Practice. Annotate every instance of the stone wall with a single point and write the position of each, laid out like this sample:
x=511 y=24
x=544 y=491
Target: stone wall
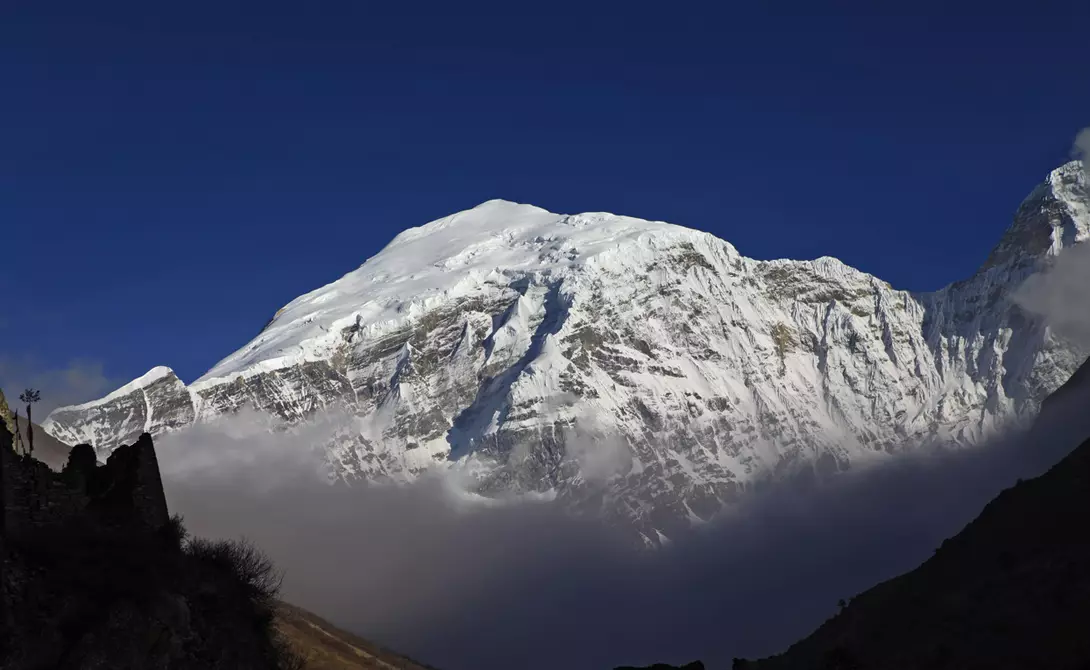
x=94 y=575
x=33 y=495
x=127 y=489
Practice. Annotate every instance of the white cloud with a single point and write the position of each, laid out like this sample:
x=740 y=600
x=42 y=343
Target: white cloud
x=528 y=586
x=1081 y=148
x=1062 y=295
x=600 y=453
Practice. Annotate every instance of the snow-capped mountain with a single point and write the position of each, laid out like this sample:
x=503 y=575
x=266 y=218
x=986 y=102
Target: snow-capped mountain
x=639 y=367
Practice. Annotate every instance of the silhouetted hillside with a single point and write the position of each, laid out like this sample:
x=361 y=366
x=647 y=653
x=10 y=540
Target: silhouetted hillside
x=1011 y=590
x=95 y=574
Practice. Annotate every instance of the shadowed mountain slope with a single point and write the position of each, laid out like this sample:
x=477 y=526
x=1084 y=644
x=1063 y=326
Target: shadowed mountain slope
x=1011 y=590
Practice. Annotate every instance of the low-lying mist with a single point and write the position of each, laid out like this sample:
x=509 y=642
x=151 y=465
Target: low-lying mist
x=466 y=586
x=462 y=585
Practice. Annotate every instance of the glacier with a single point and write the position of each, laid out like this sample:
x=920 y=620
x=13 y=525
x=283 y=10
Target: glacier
x=636 y=369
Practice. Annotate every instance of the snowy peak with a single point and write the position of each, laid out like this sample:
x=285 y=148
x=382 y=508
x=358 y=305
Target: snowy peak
x=634 y=367
x=156 y=401
x=479 y=220
x=447 y=260
x=150 y=377
x=1055 y=216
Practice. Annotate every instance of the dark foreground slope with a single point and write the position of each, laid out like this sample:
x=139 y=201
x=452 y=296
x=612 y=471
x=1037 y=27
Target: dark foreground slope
x=1011 y=590
x=95 y=574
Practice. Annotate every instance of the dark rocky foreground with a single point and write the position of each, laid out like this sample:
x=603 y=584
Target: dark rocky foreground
x=96 y=574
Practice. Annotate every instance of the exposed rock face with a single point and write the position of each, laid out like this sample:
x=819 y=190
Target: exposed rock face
x=638 y=368
x=154 y=403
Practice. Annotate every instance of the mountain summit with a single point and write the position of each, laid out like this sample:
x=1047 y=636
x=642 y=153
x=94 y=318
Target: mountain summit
x=639 y=368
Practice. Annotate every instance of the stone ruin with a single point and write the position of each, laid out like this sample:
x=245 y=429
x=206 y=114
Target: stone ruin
x=126 y=490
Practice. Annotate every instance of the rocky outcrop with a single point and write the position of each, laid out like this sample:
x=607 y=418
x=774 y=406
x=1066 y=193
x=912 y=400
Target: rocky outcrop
x=95 y=575
x=633 y=368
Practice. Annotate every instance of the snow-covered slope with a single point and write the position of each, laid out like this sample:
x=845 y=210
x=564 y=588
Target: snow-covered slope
x=639 y=367
x=154 y=403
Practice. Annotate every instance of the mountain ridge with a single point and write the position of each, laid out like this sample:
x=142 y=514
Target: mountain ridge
x=632 y=365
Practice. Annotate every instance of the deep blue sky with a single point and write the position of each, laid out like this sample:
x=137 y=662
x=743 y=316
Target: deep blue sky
x=169 y=177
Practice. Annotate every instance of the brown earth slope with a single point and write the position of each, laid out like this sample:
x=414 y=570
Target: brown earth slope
x=326 y=647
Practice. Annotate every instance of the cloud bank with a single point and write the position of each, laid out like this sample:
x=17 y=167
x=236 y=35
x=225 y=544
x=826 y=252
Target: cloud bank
x=462 y=586
x=77 y=382
x=523 y=585
x=1062 y=295
x=1081 y=148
